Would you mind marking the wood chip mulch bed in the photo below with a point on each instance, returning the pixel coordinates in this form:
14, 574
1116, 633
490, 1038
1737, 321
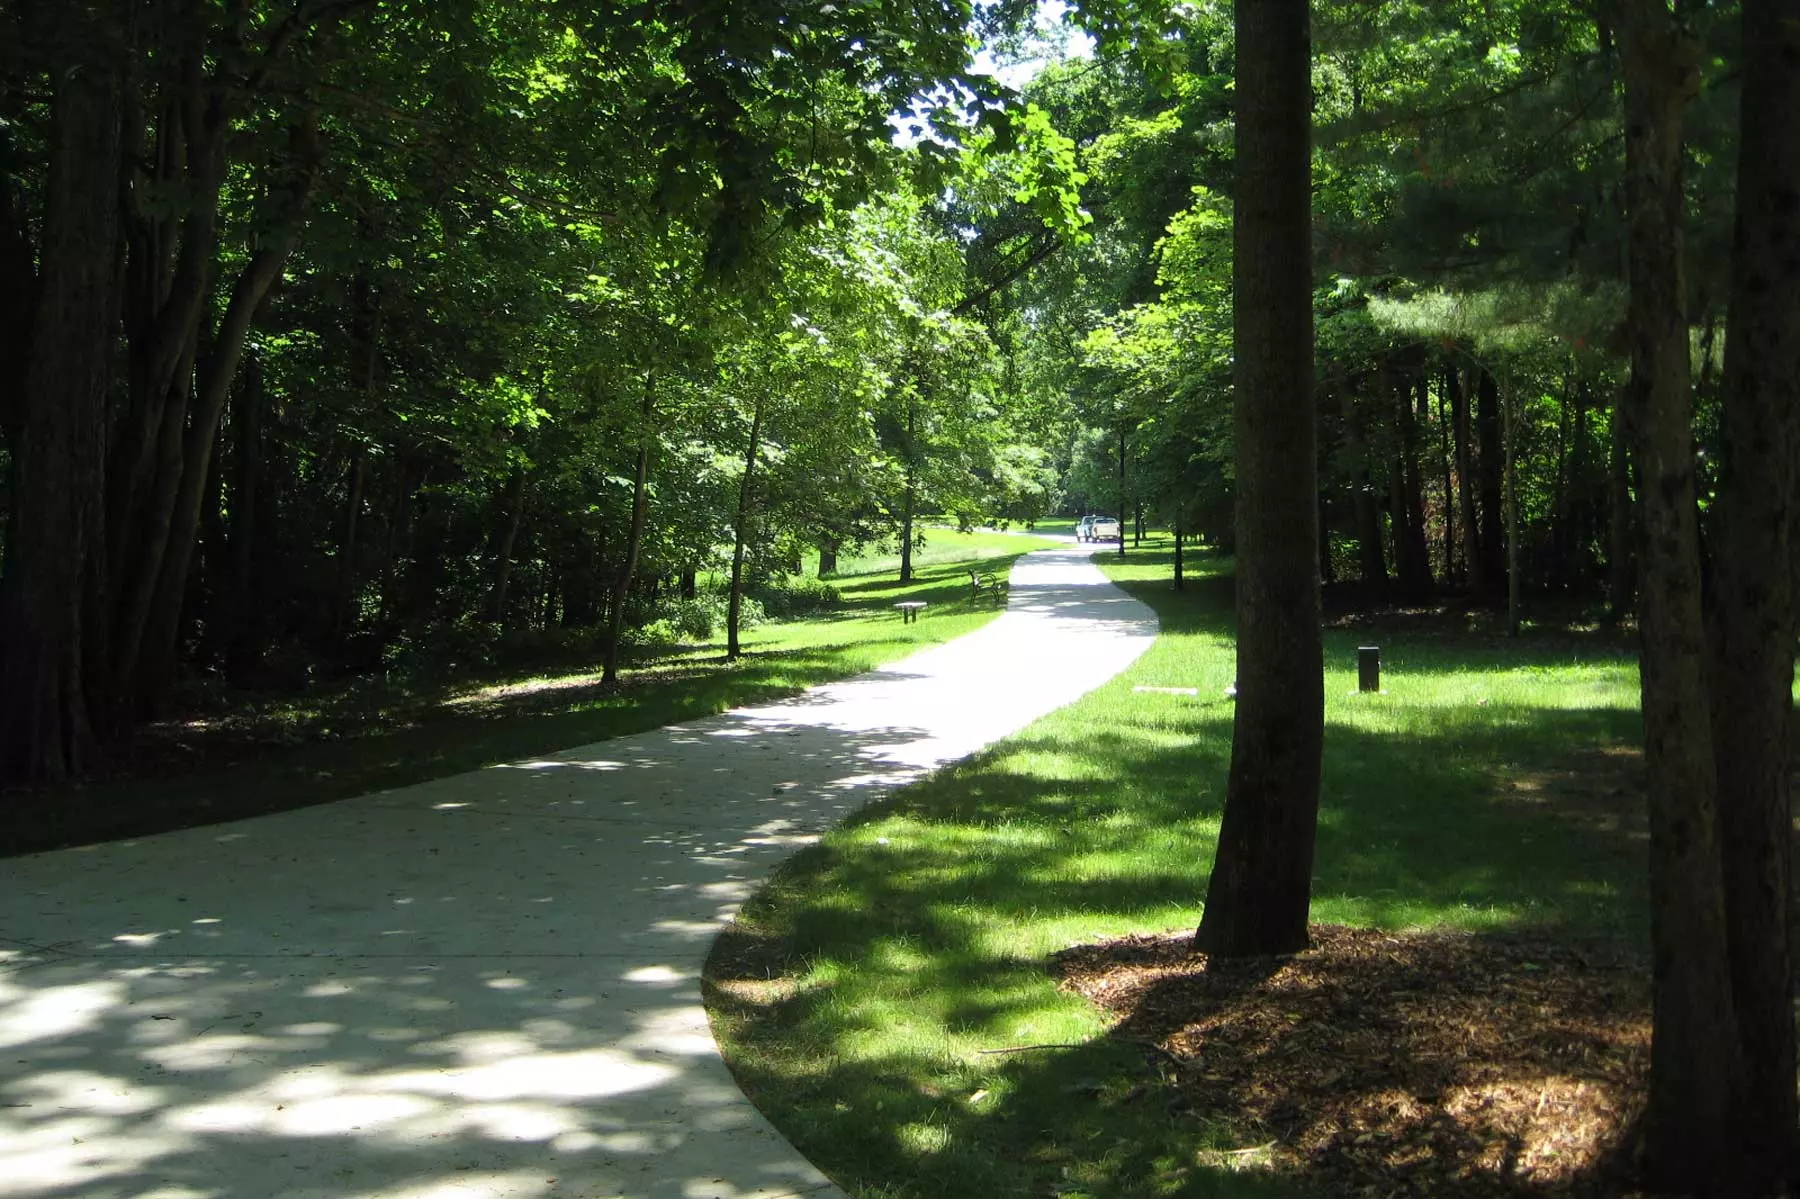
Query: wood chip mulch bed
1395, 1064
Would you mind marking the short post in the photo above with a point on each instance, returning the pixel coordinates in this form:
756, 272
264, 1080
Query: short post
1368, 668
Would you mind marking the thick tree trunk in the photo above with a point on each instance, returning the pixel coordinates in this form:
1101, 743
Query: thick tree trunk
1696, 1085
1754, 670
640, 509
59, 449
828, 558
1260, 891
741, 534
690, 584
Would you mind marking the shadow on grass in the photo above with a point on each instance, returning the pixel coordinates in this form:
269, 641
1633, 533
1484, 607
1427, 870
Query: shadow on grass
1506, 818
382, 737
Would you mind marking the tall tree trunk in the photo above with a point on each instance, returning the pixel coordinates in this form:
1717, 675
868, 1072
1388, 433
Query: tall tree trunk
1489, 474
1509, 435
243, 652
741, 533
910, 499
155, 671
1622, 513
1754, 669
1474, 565
1365, 503
1261, 886
59, 451
1122, 501
1180, 579
1412, 554
504, 544
1696, 1067
1445, 404
634, 542
828, 557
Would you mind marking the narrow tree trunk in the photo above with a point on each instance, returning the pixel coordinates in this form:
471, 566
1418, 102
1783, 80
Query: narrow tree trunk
1180, 580
156, 670
1754, 669
1365, 504
1122, 501
1696, 1068
1474, 565
1260, 891
1412, 554
908, 501
58, 463
1490, 477
746, 502
690, 584
1622, 521
1449, 459
640, 508
243, 612
504, 545
1509, 435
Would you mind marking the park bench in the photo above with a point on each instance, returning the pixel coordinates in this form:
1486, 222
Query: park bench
909, 610
986, 580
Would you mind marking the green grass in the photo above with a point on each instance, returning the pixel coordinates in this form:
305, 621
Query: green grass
863, 997
292, 751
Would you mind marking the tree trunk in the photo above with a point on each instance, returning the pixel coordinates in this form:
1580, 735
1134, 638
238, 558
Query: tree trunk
1622, 524
1509, 417
1180, 580
1445, 403
1489, 474
828, 558
746, 500
1412, 554
1754, 669
1365, 504
1474, 565
504, 544
908, 501
156, 670
640, 508
59, 450
690, 584
1696, 1069
1122, 502
1260, 891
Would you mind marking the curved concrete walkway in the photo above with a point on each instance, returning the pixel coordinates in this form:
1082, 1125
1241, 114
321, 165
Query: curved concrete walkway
486, 985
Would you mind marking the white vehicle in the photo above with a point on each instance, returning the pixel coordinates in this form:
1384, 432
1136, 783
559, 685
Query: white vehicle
1084, 529
1104, 528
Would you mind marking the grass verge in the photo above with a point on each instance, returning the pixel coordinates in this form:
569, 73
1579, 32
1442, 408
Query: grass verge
887, 999
270, 754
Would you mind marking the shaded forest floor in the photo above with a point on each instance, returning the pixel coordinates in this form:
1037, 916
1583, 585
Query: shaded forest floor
239, 755
982, 990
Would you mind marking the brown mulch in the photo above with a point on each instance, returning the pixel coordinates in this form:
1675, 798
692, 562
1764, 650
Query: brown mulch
1395, 1064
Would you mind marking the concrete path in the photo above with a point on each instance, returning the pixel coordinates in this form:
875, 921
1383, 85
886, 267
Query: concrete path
482, 986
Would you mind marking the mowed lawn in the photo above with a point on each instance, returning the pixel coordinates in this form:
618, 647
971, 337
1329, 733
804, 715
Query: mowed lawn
270, 753
888, 1002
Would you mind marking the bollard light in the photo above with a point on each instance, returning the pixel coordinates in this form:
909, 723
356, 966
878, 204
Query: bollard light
1368, 668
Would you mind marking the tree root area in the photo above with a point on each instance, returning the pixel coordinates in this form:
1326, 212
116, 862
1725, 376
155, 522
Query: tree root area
1394, 1064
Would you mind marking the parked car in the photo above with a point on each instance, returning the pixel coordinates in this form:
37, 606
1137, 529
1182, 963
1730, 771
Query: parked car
1084, 529
1104, 528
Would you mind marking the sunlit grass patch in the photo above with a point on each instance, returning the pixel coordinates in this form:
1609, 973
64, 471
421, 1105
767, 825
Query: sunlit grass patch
1479, 792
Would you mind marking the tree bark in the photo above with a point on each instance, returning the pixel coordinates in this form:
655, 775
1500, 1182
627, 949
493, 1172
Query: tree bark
1696, 1068
1622, 523
1260, 891
1474, 565
1365, 504
1122, 502
640, 508
1753, 672
1445, 404
1489, 474
828, 558
504, 545
1412, 553
908, 501
746, 501
1180, 578
59, 450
